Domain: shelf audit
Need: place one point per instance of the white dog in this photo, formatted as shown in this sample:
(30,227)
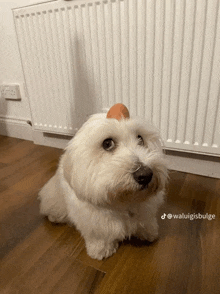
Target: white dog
(109,184)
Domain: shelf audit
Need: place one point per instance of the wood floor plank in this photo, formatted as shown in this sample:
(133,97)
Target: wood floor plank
(38,157)
(18,224)
(7,142)
(210,244)
(61,253)
(10,155)
(79,278)
(28,252)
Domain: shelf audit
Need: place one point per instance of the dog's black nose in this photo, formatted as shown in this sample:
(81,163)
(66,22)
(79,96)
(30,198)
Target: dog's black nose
(143,176)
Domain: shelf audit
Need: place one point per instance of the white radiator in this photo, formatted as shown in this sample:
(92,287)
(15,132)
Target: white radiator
(160,58)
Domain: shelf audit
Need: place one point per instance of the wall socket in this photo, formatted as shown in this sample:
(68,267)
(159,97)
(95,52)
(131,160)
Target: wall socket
(10,91)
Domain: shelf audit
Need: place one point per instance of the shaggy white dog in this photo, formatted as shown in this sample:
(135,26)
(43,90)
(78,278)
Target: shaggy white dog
(109,184)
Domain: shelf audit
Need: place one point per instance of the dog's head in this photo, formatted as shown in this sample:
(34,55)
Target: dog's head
(111,160)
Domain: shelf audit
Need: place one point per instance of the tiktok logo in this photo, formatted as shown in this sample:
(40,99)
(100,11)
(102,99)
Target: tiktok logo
(163,216)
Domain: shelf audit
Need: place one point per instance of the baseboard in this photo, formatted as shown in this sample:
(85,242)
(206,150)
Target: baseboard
(198,164)
(16,128)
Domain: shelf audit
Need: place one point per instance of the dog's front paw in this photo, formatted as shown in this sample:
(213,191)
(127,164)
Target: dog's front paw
(57,219)
(99,249)
(150,235)
(144,236)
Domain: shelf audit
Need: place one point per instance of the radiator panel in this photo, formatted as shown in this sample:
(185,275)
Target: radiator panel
(160,58)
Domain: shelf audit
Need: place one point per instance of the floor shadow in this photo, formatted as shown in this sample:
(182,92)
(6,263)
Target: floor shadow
(134,241)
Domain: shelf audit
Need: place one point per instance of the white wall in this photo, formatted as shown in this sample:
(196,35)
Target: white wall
(12,113)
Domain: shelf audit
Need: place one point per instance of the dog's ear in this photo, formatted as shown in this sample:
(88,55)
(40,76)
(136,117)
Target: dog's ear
(157,143)
(154,140)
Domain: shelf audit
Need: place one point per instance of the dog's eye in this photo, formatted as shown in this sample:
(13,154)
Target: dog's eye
(108,144)
(140,140)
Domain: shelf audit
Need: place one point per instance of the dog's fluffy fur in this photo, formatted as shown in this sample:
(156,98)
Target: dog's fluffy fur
(94,187)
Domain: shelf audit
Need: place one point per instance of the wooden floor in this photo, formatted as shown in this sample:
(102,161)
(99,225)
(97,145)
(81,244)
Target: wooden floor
(40,257)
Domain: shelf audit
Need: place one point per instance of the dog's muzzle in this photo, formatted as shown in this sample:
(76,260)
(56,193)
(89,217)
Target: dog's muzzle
(143,175)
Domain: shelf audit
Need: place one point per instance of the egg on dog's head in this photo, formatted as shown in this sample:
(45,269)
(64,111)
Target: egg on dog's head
(118,111)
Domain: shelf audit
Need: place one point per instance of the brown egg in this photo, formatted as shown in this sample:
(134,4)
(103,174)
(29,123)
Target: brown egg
(118,111)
